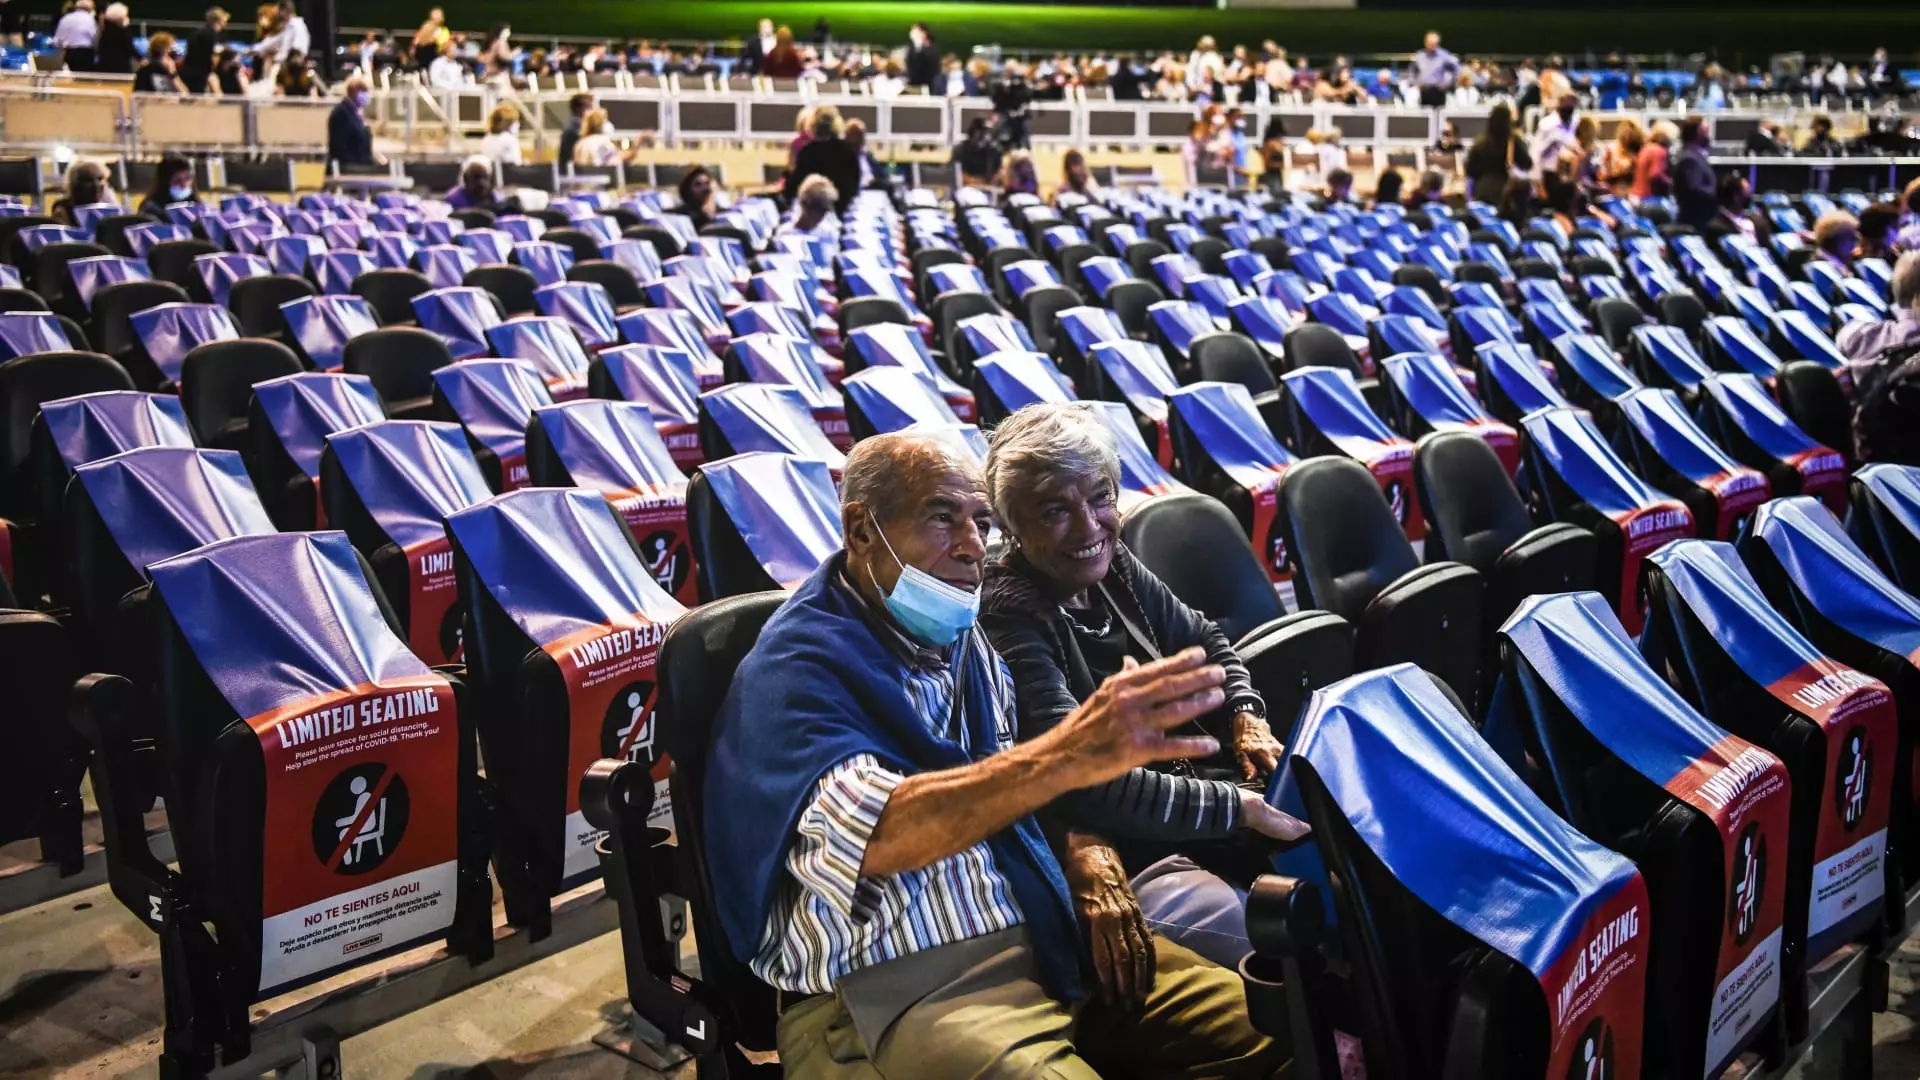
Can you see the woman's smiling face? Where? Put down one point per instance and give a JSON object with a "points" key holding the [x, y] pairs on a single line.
{"points": [[1067, 527]]}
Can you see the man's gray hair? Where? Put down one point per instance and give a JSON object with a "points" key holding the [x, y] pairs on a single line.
{"points": [[884, 472], [1045, 442], [1906, 281]]}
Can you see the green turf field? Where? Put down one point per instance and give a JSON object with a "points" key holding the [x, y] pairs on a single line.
{"points": [[1734, 32]]}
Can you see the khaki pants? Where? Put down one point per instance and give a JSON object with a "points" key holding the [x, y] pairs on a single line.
{"points": [[994, 1021]]}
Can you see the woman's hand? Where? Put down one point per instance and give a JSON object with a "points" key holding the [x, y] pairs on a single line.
{"points": [[1117, 932], [1254, 746], [1262, 818]]}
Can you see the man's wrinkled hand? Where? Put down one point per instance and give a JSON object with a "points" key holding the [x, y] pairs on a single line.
{"points": [[1116, 930]]}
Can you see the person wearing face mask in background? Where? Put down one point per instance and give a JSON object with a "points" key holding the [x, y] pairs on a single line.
{"points": [[1069, 607], [349, 140], [502, 142], [172, 183], [872, 830], [476, 189]]}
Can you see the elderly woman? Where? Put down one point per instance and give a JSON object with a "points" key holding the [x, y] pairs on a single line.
{"points": [[1068, 607]]}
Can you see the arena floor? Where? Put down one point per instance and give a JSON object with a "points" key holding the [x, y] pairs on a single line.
{"points": [[80, 997]]}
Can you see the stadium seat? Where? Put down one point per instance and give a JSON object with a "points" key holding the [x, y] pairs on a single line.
{"points": [[1629, 763], [391, 292], [1423, 394], [1475, 516], [1327, 414], [740, 417], [113, 307], [622, 286], [1351, 557], [1573, 476], [1741, 416], [1744, 666], [1436, 969], [1615, 320], [255, 303], [45, 759], [1667, 448], [1882, 500], [216, 385], [401, 361], [1223, 447], [493, 400], [288, 421], [1005, 381], [1318, 345], [514, 285], [760, 521], [1810, 395], [172, 260]]}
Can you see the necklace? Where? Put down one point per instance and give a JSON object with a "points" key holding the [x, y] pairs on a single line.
{"points": [[1106, 623]]}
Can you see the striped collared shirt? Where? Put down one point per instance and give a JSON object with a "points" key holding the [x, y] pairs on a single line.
{"points": [[828, 920]]}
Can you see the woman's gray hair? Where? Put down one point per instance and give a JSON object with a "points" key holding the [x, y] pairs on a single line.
{"points": [[1044, 442], [1906, 281]]}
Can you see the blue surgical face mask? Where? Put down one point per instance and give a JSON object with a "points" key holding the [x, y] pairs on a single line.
{"points": [[932, 611], [180, 194]]}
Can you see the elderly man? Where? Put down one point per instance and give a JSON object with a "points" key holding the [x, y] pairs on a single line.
{"points": [[349, 139], [1434, 71], [872, 838]]}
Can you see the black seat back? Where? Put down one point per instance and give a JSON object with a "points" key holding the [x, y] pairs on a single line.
{"points": [[1473, 510], [723, 564], [949, 310], [114, 305], [391, 293], [1232, 358], [1879, 502], [52, 281], [21, 300], [1684, 310], [1346, 544], [695, 667], [25, 383], [401, 361], [1614, 319], [172, 260], [255, 303], [583, 246], [1810, 395], [1041, 308], [1319, 345], [867, 310], [513, 285], [216, 386], [623, 288], [1192, 543]]}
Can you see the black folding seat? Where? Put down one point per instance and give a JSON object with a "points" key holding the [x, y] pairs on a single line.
{"points": [[113, 307], [514, 285], [1424, 395], [1224, 447], [1830, 590], [1320, 345], [1132, 300], [724, 1013], [614, 448], [51, 280], [760, 521], [1703, 814], [950, 309], [623, 288], [741, 417], [1351, 557], [21, 300], [584, 247], [169, 332], [1470, 328], [390, 485], [1079, 329], [255, 303], [1232, 358], [1745, 667], [288, 421], [1040, 309], [1883, 518], [1326, 413], [111, 231], [391, 293], [31, 542], [1741, 416], [1475, 516], [1135, 374], [250, 637], [1615, 319], [995, 267], [1454, 950], [1810, 395], [1570, 474], [493, 400], [46, 759], [1590, 374], [401, 361], [1287, 656], [1005, 382], [971, 337], [216, 386], [172, 260], [124, 513], [563, 621], [1140, 254], [867, 310], [1660, 439]]}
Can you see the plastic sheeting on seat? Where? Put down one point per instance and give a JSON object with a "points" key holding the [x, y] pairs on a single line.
{"points": [[90, 275], [304, 409], [460, 315], [322, 326], [614, 448], [784, 507], [1453, 825], [161, 501], [1327, 401], [1678, 447], [1225, 425], [585, 306], [550, 345], [759, 416], [1427, 387], [493, 400], [23, 333], [663, 380], [1752, 412], [170, 331], [89, 427]]}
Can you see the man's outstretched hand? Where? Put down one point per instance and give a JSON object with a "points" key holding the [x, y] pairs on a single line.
{"points": [[1125, 724]]}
